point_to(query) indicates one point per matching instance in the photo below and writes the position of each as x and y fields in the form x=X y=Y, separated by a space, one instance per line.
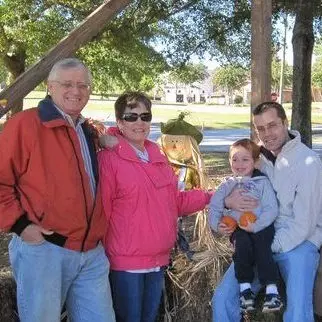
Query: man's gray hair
x=66 y=64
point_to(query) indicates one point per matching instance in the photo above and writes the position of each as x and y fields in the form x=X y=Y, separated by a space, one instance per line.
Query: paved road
x=220 y=140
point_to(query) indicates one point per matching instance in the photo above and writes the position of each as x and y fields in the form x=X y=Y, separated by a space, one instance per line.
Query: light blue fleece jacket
x=296 y=177
x=257 y=186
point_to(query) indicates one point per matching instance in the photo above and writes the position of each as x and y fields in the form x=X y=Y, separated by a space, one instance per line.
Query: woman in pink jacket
x=142 y=204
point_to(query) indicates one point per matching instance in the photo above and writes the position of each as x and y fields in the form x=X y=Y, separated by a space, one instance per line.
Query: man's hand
x=107 y=141
x=237 y=200
x=224 y=229
x=33 y=234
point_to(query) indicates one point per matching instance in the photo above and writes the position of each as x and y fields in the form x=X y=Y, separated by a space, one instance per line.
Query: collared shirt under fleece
x=296 y=176
x=142 y=205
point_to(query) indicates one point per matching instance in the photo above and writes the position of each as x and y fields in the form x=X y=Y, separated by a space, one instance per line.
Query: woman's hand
x=237 y=200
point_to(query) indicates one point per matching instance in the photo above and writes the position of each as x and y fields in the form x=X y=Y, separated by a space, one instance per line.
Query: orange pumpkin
x=229 y=222
x=247 y=217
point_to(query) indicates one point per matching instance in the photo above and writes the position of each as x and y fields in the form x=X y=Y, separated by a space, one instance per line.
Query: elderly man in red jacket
x=50 y=199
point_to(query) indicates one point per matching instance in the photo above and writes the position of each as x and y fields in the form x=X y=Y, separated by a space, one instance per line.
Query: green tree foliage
x=120 y=57
x=317 y=73
x=317 y=66
x=188 y=73
x=219 y=28
x=28 y=29
x=119 y=66
x=276 y=75
x=3 y=73
x=230 y=78
x=123 y=55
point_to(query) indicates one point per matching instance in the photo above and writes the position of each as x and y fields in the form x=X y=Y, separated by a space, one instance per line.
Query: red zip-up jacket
x=43 y=179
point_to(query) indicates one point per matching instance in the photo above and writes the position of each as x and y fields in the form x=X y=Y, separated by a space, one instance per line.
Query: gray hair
x=66 y=64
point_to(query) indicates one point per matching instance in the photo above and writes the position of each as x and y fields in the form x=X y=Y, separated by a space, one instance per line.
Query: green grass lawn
x=200 y=115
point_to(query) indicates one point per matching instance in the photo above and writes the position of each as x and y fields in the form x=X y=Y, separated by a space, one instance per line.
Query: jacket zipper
x=88 y=219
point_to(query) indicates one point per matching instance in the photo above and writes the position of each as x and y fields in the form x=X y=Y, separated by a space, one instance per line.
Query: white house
x=198 y=92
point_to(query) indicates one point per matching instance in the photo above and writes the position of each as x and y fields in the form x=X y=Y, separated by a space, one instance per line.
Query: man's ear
x=49 y=87
x=285 y=122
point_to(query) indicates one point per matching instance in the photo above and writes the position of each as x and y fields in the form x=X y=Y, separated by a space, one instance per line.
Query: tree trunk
x=88 y=29
x=303 y=42
x=261 y=53
x=16 y=65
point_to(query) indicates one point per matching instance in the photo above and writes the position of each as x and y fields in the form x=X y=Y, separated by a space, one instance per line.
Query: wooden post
x=82 y=34
x=261 y=31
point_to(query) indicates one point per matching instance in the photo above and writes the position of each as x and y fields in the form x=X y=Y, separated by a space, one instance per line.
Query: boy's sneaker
x=272 y=303
x=247 y=300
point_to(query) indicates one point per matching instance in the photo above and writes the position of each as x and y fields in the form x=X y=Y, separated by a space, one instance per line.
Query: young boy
x=252 y=241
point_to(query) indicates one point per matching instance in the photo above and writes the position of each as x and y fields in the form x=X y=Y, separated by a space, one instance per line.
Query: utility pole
x=281 y=94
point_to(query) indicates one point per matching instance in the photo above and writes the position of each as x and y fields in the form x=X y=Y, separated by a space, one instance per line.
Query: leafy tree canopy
x=188 y=73
x=230 y=77
x=124 y=55
x=317 y=66
x=276 y=74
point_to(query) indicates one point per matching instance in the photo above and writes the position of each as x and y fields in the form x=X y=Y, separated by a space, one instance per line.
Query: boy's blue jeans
x=136 y=296
x=298 y=269
x=47 y=276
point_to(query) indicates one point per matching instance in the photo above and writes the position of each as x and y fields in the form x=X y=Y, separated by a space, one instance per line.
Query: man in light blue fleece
x=295 y=172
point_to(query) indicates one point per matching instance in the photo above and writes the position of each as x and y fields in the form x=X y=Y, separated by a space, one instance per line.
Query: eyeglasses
x=133 y=117
x=269 y=127
x=70 y=85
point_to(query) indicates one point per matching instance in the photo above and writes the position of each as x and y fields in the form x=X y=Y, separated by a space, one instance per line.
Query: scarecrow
x=179 y=142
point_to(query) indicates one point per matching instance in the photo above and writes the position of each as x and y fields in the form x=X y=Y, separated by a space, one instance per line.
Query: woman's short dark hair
x=249 y=145
x=131 y=100
x=263 y=107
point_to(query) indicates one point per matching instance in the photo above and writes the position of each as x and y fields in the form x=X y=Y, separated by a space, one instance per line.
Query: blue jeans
x=136 y=296
x=47 y=276
x=297 y=267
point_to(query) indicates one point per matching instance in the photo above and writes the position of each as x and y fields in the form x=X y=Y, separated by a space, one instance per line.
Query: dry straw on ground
x=7 y=298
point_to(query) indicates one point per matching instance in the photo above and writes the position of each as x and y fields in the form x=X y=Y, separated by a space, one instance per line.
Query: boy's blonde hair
x=249 y=145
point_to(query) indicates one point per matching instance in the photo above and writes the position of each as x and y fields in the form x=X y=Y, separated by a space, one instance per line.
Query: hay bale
x=8 y=305
x=190 y=284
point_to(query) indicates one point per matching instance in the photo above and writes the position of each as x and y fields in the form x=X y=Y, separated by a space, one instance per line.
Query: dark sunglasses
x=133 y=117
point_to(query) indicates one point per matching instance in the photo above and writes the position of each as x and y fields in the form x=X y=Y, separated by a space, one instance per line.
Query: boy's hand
x=224 y=229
